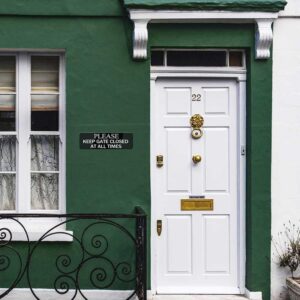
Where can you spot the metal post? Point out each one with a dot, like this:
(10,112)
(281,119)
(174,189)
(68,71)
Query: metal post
(141,257)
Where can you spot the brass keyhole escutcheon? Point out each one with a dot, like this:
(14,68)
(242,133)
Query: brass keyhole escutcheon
(159,161)
(197,133)
(196,122)
(196,158)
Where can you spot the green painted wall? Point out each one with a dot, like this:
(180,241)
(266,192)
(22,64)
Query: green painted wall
(105,92)
(258,236)
(100,97)
(108,91)
(61,7)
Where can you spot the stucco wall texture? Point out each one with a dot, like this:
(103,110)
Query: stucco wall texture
(101,97)
(285,132)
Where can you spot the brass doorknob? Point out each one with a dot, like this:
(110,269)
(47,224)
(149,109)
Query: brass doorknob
(196,158)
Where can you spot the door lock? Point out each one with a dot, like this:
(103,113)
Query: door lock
(159,160)
(158,227)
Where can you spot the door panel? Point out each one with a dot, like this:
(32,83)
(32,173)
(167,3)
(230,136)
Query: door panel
(179,172)
(197,250)
(216,100)
(178,100)
(179,244)
(216,235)
(216,164)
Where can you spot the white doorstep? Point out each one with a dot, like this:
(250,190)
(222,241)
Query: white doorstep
(197,297)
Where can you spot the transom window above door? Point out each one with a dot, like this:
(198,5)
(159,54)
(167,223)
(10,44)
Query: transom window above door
(231,58)
(32,132)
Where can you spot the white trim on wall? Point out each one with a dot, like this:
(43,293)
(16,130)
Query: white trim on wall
(253,295)
(25,294)
(141,18)
(240,76)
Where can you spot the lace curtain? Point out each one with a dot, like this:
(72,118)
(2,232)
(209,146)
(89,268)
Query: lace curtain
(7,169)
(44,172)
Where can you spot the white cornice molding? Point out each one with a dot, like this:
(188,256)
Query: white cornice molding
(141,18)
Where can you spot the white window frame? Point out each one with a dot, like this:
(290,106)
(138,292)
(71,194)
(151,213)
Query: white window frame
(35,226)
(188,69)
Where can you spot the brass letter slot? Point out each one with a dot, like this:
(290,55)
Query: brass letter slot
(197,204)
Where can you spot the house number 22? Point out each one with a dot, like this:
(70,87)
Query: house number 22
(196,97)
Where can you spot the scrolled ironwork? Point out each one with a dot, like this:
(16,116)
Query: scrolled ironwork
(4,262)
(5,236)
(83,264)
(124,270)
(102,275)
(62,285)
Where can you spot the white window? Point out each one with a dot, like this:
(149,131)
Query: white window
(32,133)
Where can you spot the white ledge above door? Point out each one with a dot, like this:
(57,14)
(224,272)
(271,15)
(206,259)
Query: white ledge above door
(141,18)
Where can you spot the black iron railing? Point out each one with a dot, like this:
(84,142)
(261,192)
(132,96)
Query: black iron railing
(106,252)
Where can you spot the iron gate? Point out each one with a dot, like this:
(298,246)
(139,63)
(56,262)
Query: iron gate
(99,252)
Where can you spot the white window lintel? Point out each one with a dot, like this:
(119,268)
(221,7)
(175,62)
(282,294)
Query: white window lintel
(141,18)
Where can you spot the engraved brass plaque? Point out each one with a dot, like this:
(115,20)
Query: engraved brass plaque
(197,204)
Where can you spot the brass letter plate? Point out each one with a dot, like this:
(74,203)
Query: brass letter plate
(197,204)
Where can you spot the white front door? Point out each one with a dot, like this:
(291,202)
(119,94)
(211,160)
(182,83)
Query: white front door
(197,251)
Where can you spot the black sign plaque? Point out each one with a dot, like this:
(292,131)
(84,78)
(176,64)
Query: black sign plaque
(106,141)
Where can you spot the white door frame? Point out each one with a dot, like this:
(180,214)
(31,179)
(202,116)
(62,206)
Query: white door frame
(240,77)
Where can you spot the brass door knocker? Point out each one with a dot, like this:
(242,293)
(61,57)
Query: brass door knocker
(196,122)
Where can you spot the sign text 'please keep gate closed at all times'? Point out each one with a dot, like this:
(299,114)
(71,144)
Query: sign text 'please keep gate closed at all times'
(106,141)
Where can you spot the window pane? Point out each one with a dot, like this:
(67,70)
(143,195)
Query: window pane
(45,73)
(235,58)
(44,153)
(196,58)
(44,115)
(7,191)
(157,58)
(44,102)
(44,191)
(7,74)
(7,153)
(7,113)
(44,121)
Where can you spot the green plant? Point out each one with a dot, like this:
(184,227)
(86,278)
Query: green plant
(287,247)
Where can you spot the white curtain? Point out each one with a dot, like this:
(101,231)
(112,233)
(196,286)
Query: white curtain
(7,192)
(44,159)
(7,180)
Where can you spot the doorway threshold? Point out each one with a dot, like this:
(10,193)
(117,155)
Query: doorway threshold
(197,297)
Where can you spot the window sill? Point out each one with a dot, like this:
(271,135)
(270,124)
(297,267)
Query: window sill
(15,230)
(55,236)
